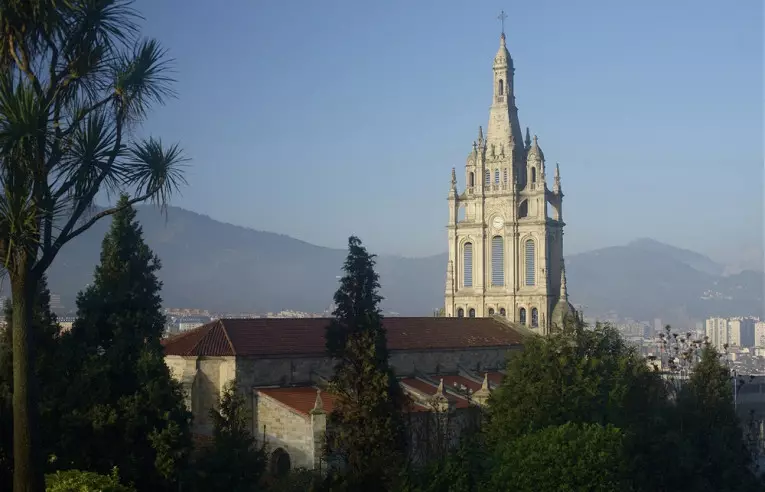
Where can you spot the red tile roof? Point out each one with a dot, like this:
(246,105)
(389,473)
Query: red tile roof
(429,389)
(305,336)
(301,399)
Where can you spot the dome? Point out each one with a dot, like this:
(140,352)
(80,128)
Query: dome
(535,152)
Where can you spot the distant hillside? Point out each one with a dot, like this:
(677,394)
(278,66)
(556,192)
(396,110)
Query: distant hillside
(222,267)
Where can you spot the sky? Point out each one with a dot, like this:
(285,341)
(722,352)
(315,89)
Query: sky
(324,119)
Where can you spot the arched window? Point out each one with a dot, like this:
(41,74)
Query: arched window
(491,311)
(496,176)
(467,266)
(534,317)
(501,87)
(497,261)
(502,312)
(471,179)
(460,313)
(504,176)
(471,313)
(488,177)
(530,263)
(522,316)
(280,463)
(533,175)
(523,209)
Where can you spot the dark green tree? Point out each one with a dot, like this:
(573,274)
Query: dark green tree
(120,389)
(583,376)
(46,331)
(366,426)
(75,77)
(232,462)
(706,436)
(565,458)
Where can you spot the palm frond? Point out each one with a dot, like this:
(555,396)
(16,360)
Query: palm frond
(154,171)
(142,79)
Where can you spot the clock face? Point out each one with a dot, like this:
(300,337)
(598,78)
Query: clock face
(498,222)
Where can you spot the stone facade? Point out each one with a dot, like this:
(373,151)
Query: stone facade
(505,251)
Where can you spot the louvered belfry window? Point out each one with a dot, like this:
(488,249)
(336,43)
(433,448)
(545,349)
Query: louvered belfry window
(468,265)
(530,263)
(497,261)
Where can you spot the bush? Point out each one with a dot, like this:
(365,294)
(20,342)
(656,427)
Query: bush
(83,481)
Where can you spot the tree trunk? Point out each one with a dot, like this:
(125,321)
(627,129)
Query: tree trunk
(27,472)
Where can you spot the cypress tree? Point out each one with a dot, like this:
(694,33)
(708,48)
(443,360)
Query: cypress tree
(365,426)
(121,391)
(233,462)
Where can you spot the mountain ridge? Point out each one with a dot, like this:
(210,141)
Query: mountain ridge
(225,267)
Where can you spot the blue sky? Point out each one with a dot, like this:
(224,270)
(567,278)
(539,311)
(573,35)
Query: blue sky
(325,119)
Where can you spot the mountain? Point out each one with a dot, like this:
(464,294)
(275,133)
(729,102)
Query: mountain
(226,268)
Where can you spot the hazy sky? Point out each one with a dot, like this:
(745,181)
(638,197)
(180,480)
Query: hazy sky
(319,119)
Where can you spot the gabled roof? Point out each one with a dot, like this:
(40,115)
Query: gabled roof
(269,337)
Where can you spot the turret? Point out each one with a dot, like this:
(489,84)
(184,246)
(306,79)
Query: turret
(556,181)
(535,167)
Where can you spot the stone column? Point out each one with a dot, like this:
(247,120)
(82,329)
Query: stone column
(318,431)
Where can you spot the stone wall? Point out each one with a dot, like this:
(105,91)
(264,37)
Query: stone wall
(284,428)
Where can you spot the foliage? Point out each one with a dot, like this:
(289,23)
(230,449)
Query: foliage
(120,389)
(706,434)
(464,469)
(298,480)
(232,462)
(47,346)
(565,458)
(366,427)
(574,375)
(75,79)
(79,481)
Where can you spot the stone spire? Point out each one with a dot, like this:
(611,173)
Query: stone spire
(454,181)
(441,391)
(480,136)
(563,287)
(556,181)
(318,405)
(482,395)
(528,139)
(504,127)
(485,384)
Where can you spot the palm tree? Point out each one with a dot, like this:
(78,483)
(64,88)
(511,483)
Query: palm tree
(75,79)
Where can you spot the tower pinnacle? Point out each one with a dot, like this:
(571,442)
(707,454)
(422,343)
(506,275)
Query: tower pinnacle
(502,16)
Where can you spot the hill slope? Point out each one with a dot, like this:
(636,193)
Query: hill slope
(222,267)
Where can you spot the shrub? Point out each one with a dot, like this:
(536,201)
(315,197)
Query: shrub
(83,481)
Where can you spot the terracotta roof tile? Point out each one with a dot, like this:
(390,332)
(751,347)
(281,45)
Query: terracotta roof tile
(430,390)
(300,399)
(305,336)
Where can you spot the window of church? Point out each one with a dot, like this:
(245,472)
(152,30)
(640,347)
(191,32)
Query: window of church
(491,311)
(534,317)
(533,175)
(471,313)
(504,176)
(501,87)
(460,313)
(522,316)
(502,312)
(530,267)
(471,179)
(496,176)
(488,177)
(497,261)
(468,265)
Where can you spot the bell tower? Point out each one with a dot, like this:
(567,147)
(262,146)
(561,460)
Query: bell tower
(505,252)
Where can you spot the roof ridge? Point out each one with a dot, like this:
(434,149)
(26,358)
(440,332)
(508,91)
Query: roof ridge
(207,328)
(228,339)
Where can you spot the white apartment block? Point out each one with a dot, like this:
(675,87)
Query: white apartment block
(736,332)
(717,332)
(759,334)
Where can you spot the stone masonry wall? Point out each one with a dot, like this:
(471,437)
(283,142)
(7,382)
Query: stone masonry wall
(286,429)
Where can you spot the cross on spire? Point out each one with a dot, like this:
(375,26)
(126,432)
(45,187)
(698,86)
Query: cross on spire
(502,16)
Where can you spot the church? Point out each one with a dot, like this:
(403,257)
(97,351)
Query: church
(505,281)
(505,250)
